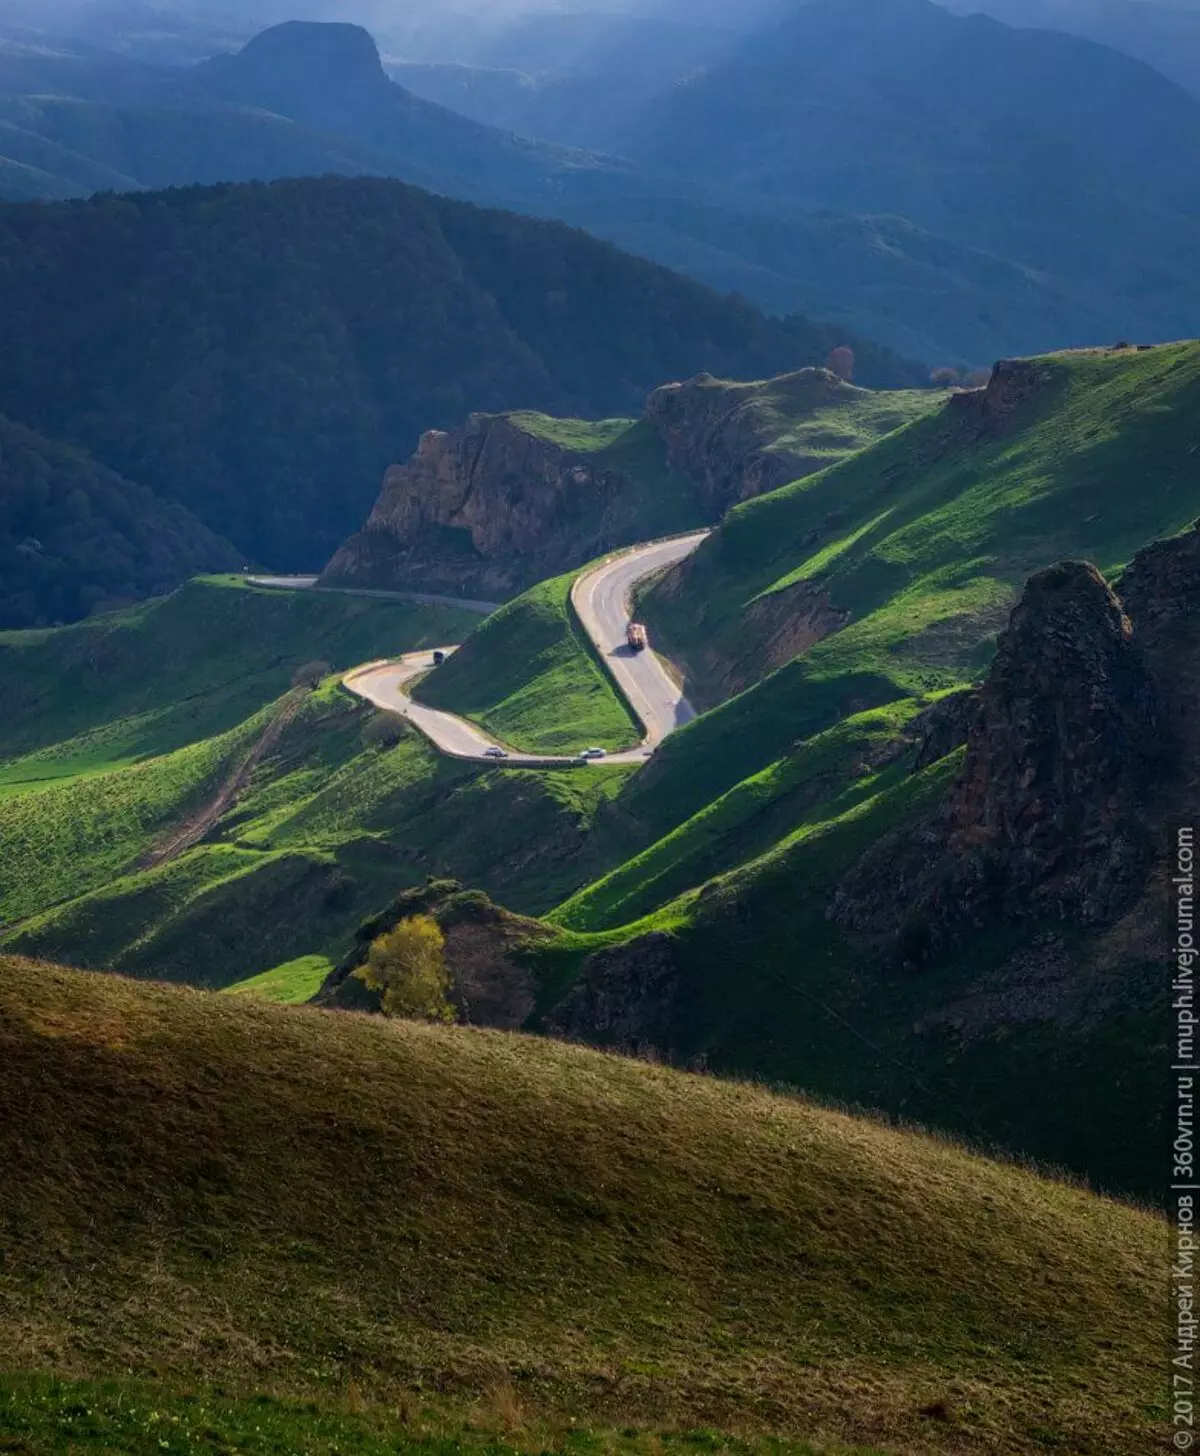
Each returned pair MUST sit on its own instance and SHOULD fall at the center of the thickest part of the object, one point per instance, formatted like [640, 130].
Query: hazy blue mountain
[330, 78]
[1040, 149]
[1166, 37]
[949, 186]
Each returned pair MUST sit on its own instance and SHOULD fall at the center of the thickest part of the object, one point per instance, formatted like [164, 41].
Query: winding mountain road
[601, 598]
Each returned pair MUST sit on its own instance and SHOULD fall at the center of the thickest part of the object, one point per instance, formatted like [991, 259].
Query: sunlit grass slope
[818, 782]
[170, 672]
[529, 675]
[919, 546]
[338, 1208]
[329, 827]
[815, 418]
[771, 985]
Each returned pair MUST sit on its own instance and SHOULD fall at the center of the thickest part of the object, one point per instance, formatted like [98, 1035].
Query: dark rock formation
[1053, 812]
[625, 998]
[1060, 759]
[490, 985]
[1161, 594]
[719, 434]
[1012, 383]
[943, 727]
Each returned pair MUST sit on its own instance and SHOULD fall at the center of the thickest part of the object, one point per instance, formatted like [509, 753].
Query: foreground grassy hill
[371, 1217]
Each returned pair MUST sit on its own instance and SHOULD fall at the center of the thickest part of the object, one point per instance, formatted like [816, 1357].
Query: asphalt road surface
[601, 599]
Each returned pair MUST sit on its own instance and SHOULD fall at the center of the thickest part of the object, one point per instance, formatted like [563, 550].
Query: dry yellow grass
[210, 1189]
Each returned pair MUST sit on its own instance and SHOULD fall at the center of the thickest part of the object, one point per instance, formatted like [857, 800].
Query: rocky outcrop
[490, 983]
[722, 435]
[489, 509]
[498, 504]
[1012, 383]
[1161, 594]
[943, 727]
[1067, 758]
[625, 998]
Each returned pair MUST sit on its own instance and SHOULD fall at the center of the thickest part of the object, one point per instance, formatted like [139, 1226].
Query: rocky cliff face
[1012, 382]
[722, 435]
[1069, 767]
[496, 505]
[1079, 748]
[489, 509]
[624, 999]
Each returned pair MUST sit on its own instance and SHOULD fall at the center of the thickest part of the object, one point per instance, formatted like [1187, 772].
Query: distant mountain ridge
[955, 188]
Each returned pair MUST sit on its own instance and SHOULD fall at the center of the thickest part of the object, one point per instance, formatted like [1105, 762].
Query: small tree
[383, 731]
[408, 965]
[841, 362]
[944, 378]
[311, 675]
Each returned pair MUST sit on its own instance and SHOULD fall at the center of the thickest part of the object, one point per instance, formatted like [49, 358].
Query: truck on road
[635, 635]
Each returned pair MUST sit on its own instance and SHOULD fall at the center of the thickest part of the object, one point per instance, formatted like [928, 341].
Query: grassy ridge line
[815, 784]
[616, 1241]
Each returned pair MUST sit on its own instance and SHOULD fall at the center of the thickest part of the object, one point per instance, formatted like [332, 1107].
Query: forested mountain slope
[261, 354]
[74, 536]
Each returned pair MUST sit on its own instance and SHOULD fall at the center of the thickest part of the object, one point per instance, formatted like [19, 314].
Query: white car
[590, 753]
[495, 752]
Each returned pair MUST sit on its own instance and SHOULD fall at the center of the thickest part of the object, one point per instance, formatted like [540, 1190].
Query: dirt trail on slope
[193, 829]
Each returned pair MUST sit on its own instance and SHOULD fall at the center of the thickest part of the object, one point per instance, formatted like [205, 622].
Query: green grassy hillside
[810, 417]
[822, 779]
[372, 1217]
[122, 729]
[529, 675]
[143, 682]
[328, 828]
[910, 555]
[776, 989]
